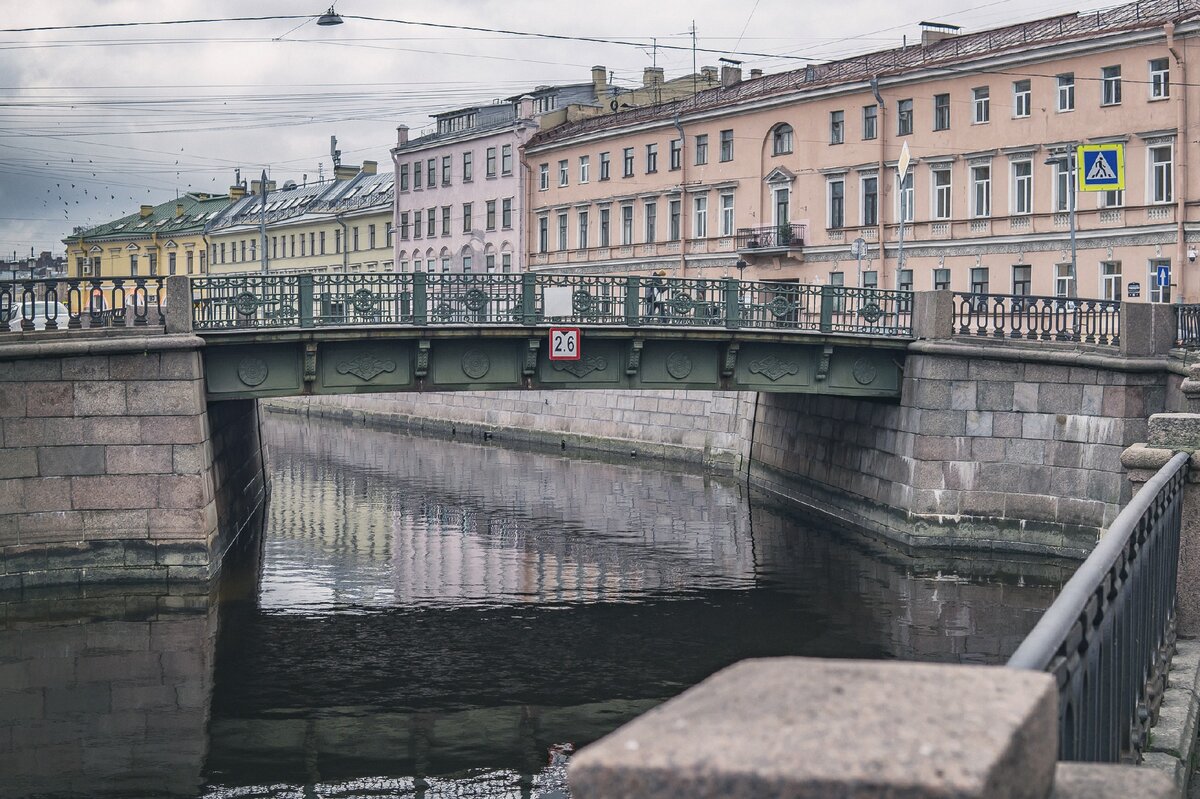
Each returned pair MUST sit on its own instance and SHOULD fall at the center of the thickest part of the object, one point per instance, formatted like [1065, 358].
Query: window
[430, 172]
[981, 183]
[651, 158]
[1160, 79]
[783, 201]
[941, 279]
[837, 129]
[651, 222]
[604, 227]
[1066, 91]
[979, 280]
[870, 201]
[870, 279]
[490, 215]
[445, 263]
[562, 230]
[404, 177]
[904, 280]
[416, 226]
[1110, 280]
[1160, 174]
[1110, 82]
[702, 149]
[1022, 98]
[627, 162]
[467, 221]
[563, 170]
[133, 260]
[505, 262]
[604, 166]
[676, 150]
[941, 192]
[905, 197]
[1158, 293]
[837, 204]
[467, 263]
[1022, 280]
[700, 220]
[387, 234]
[468, 166]
[781, 138]
[727, 145]
[626, 224]
[445, 220]
[1064, 281]
[982, 104]
[489, 263]
[1062, 185]
[543, 234]
[727, 214]
[490, 162]
[370, 239]
[941, 112]
[584, 168]
[870, 121]
[416, 177]
[1022, 188]
[506, 159]
[543, 177]
[171, 259]
[506, 213]
[673, 212]
[583, 230]
[431, 222]
[337, 238]
[904, 117]
[1112, 199]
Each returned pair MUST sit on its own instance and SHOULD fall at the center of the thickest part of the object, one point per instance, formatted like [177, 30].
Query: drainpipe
[683, 207]
[345, 243]
[882, 123]
[1182, 141]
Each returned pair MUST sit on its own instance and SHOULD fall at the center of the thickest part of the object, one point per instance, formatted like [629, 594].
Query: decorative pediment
[780, 175]
[132, 248]
[95, 250]
[171, 245]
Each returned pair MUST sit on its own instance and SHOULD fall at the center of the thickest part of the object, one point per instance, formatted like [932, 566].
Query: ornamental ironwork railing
[80, 303]
[1023, 316]
[1109, 636]
[776, 236]
[1187, 325]
[530, 298]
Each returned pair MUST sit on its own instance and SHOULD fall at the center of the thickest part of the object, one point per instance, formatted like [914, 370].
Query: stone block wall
[980, 451]
[706, 427]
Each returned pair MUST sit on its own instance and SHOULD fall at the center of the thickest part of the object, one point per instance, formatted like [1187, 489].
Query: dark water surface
[424, 618]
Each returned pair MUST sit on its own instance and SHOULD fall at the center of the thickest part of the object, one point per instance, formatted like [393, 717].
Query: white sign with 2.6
[564, 343]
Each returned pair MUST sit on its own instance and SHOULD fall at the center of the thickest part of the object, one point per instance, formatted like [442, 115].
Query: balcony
[778, 238]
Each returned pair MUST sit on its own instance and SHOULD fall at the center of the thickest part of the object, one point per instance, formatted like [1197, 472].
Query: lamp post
[1069, 159]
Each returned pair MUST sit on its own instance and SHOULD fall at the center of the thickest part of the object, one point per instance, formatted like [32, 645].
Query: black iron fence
[1024, 316]
[1187, 325]
[762, 238]
[1109, 636]
[75, 303]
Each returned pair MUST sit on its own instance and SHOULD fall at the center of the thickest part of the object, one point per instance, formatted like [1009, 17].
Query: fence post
[733, 310]
[306, 300]
[420, 299]
[828, 302]
[179, 304]
[633, 297]
[529, 298]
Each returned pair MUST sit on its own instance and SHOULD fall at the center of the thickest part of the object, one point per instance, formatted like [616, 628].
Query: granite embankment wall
[110, 465]
[709, 427]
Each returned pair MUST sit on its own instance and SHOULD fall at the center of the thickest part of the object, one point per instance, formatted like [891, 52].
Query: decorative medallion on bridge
[681, 305]
[366, 367]
[364, 301]
[476, 300]
[475, 364]
[443, 312]
[252, 371]
[679, 365]
[283, 314]
[245, 303]
[582, 302]
[583, 367]
[773, 368]
[871, 312]
[779, 306]
[864, 371]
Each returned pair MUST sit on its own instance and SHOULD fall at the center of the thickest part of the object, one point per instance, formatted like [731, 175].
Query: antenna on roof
[334, 152]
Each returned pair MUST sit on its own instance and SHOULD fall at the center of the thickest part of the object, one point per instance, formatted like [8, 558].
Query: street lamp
[1068, 158]
[330, 17]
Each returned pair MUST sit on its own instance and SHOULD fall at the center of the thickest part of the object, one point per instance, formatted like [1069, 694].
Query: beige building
[342, 225]
[782, 173]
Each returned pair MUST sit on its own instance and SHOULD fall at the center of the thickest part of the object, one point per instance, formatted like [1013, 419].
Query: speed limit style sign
[564, 344]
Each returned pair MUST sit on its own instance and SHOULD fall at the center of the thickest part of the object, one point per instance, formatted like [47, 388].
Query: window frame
[1022, 98]
[726, 154]
[981, 105]
[1110, 86]
[904, 117]
[941, 111]
[871, 131]
[1021, 187]
[1065, 85]
[977, 199]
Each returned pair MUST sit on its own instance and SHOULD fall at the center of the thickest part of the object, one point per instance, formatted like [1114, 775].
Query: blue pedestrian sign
[1101, 167]
[1163, 276]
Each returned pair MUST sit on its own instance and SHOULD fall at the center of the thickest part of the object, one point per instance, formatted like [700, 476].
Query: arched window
[781, 139]
[467, 257]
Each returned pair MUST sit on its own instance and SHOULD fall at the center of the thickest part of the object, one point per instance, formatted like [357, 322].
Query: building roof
[198, 210]
[326, 197]
[951, 50]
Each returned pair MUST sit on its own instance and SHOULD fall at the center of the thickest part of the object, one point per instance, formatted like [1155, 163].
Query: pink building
[777, 176]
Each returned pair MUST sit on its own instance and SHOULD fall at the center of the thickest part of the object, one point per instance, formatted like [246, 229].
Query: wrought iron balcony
[777, 237]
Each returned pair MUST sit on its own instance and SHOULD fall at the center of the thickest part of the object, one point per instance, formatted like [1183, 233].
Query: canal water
[431, 618]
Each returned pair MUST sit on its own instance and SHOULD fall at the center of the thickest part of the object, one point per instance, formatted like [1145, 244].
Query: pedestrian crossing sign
[1101, 167]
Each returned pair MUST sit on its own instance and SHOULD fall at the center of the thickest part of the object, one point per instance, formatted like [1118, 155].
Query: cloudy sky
[98, 120]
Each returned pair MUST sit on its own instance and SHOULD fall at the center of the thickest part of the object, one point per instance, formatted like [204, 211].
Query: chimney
[653, 76]
[600, 80]
[708, 74]
[145, 211]
[755, 74]
[178, 210]
[370, 167]
[401, 135]
[730, 74]
[525, 107]
[932, 32]
[237, 192]
[344, 171]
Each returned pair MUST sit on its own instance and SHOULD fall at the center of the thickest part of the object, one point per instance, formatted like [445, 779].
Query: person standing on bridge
[656, 293]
